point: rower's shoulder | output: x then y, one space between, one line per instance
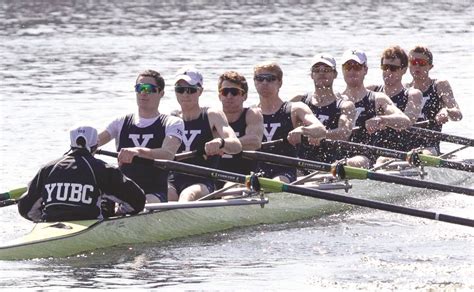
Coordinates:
298 105
414 93
380 95
297 98
254 114
372 87
171 119
214 112
176 113
345 104
442 84
254 110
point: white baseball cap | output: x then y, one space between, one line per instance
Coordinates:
189 74
88 133
325 59
355 55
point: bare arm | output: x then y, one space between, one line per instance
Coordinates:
391 116
304 123
173 130
218 122
104 138
451 107
297 98
413 108
167 151
371 87
346 120
252 140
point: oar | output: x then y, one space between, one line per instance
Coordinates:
276 186
353 172
13 194
447 154
185 155
441 136
190 154
11 197
412 157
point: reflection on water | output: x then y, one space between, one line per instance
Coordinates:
65 62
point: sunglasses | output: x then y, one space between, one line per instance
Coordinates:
232 90
352 66
146 88
419 62
389 67
187 89
265 77
322 69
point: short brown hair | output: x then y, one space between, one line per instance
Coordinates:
233 77
425 51
155 75
270 66
395 52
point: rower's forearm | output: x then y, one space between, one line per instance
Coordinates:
396 121
232 145
338 134
314 131
158 153
250 142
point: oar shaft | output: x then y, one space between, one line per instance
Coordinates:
363 149
185 155
439 162
286 160
185 168
377 205
13 194
8 202
378 151
441 136
419 183
353 172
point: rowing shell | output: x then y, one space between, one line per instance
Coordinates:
168 221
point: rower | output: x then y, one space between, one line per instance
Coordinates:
283 120
374 110
336 114
148 134
394 64
439 105
72 187
247 122
205 130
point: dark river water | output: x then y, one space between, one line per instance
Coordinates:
69 62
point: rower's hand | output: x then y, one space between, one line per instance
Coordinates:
315 131
374 124
294 136
315 141
442 117
213 147
126 155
